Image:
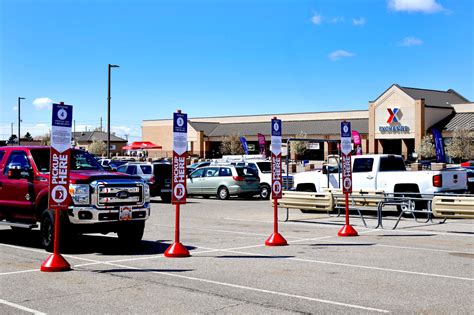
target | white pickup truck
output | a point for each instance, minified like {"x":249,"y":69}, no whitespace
{"x":384,"y":172}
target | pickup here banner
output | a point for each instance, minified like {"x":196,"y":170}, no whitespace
{"x":60,"y":156}
{"x":277,"y":182}
{"x":180,"y":145}
{"x":346,"y":149}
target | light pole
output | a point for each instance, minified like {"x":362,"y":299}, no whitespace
{"x":108,"y":113}
{"x":19,"y":120}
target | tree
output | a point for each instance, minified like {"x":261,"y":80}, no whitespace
{"x":46,"y":139}
{"x":426,"y":149}
{"x":231,"y":145}
{"x":299,"y":146}
{"x":28,"y":137}
{"x":461,"y":146}
{"x":12,"y":139}
{"x":98,"y":147}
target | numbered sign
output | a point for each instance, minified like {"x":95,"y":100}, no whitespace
{"x":346,"y":149}
{"x":60,"y":156}
{"x":180,"y":144}
{"x":277,"y":183}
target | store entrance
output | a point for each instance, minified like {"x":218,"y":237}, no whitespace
{"x":392,"y":146}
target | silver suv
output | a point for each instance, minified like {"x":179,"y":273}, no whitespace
{"x":223,"y":181}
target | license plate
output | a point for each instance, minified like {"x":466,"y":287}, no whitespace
{"x":125,"y":213}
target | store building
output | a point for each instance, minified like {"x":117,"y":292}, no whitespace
{"x":395,"y":122}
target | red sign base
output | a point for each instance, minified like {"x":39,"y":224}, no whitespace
{"x":55,"y":262}
{"x":177,"y":250}
{"x":276,"y":239}
{"x":347,"y":230}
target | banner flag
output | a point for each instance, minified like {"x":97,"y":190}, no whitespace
{"x":261,"y":144}
{"x":439,"y":145}
{"x":244,"y":145}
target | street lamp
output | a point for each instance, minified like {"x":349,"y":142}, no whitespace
{"x":19,"y":120}
{"x":108,"y":113}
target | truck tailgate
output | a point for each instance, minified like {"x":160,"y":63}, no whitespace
{"x":454,"y":180}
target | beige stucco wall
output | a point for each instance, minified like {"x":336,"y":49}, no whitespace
{"x":394,"y":98}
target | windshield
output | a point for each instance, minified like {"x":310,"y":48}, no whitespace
{"x":80,"y":160}
{"x":265,"y":167}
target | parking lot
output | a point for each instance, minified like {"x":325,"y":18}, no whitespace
{"x":417,"y":268}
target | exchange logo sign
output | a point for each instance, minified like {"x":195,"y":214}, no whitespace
{"x":60,"y":156}
{"x":180,"y":142}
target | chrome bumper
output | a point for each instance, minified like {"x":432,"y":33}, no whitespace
{"x":91,"y":215}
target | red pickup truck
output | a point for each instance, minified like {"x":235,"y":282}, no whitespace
{"x":101,"y":201}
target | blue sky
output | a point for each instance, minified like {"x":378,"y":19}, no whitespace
{"x":217,"y":58}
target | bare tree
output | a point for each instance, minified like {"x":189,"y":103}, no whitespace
{"x":426,"y":149}
{"x":231,"y":145}
{"x":461,"y":146}
{"x":98,"y":147}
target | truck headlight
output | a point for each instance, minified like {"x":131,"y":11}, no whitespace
{"x":147,"y":192}
{"x":79,"y":194}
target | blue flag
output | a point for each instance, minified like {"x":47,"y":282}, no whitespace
{"x":244,"y":145}
{"x":439,"y":145}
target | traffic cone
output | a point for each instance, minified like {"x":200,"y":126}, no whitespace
{"x":347,"y":230}
{"x":177,"y":250}
{"x":55,"y":262}
{"x":276,"y":239}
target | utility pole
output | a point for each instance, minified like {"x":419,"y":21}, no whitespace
{"x":19,"y":120}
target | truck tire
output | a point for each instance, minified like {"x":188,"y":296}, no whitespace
{"x":265,"y":192}
{"x":131,"y":232}
{"x":47,"y":230}
{"x":223,"y":193}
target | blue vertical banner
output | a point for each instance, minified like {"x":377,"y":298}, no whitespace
{"x":244,"y":145}
{"x":439,"y":145}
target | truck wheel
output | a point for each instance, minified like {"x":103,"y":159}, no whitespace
{"x":132,"y":232}
{"x":47,"y":230}
{"x":265,"y":192}
{"x":223,"y":193}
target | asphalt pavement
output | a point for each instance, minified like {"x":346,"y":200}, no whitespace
{"x":417,"y":268}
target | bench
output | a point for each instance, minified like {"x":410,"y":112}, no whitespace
{"x":457,"y":207}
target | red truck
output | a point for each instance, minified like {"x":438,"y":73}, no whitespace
{"x":101,"y":201}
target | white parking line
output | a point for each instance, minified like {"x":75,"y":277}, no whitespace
{"x":20,"y":307}
{"x":256,"y":289}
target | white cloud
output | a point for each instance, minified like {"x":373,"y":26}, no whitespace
{"x":359,"y":21}
{"x":410,"y":41}
{"x":317,"y":18}
{"x":337,"y":19}
{"x":424,"y":6}
{"x":43,"y":103}
{"x":338,"y":54}
{"x":15,"y":108}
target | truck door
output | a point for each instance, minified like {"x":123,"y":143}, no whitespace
{"x":363,"y":173}
{"x":17,"y":193}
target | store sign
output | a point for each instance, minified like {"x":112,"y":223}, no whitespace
{"x":180,"y":144}
{"x":60,"y":156}
{"x":394,"y":117}
{"x":346,"y":149}
{"x":277,"y":183}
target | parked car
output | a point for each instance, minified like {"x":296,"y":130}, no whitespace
{"x":197,"y":165}
{"x":156,"y":175}
{"x":162,"y":183}
{"x":223,"y":182}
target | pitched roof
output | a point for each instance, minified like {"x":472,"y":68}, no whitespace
{"x":435,"y":97}
{"x":206,"y":127}
{"x":90,"y":136}
{"x":316,"y":127}
{"x":460,"y":120}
